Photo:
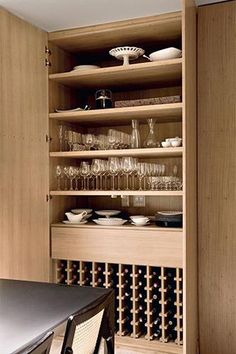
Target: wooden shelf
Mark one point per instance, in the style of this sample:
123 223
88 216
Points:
160 28
171 112
134 74
153 152
118 193
126 226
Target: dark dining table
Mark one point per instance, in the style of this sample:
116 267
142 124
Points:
28 310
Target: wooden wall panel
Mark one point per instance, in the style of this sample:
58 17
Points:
217 176
24 239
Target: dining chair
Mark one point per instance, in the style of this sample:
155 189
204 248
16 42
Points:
86 329
42 346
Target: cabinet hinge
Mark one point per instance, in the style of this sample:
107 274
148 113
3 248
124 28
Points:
47 51
48 197
48 138
47 62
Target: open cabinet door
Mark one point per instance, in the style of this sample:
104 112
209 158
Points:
24 240
190 183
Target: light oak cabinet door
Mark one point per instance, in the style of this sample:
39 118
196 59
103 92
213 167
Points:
217 176
24 239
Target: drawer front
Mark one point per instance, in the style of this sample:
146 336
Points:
154 248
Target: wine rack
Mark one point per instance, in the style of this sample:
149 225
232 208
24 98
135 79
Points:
149 300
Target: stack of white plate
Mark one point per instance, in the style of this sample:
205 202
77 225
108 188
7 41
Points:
86 67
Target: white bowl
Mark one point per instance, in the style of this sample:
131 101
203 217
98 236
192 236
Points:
165 144
144 224
79 211
140 222
76 217
175 143
164 54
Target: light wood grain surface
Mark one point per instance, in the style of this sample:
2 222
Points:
161 28
217 175
24 245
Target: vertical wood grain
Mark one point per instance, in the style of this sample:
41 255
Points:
217 176
24 239
190 323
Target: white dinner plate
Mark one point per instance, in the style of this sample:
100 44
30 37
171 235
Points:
148 223
75 223
170 213
86 67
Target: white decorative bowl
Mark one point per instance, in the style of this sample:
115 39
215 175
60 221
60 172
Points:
78 211
126 53
164 54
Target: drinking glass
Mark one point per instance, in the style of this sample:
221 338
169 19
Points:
114 168
141 170
61 136
72 175
89 141
70 139
127 167
84 172
95 171
77 177
112 138
66 174
59 175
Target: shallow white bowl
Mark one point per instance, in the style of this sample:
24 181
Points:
175 143
86 67
164 54
74 223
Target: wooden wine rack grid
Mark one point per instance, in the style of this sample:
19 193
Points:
149 300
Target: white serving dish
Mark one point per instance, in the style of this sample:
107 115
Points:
78 211
176 143
107 213
86 67
75 223
126 53
110 221
164 54
75 217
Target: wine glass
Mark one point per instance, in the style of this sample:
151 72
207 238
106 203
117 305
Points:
77 177
70 139
141 170
84 172
72 175
66 174
127 167
89 141
111 138
95 171
59 175
114 168
61 136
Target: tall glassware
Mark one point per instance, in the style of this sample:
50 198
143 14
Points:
151 140
135 135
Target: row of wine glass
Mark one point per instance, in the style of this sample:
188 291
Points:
125 173
72 140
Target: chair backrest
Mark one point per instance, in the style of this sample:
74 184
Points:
42 346
83 331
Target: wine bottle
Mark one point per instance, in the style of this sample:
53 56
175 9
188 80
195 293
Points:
157 333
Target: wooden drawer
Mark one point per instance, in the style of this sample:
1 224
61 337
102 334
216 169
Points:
124 245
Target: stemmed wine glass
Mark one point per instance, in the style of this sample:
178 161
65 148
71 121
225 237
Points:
59 175
127 167
114 168
84 172
95 171
72 175
66 174
141 170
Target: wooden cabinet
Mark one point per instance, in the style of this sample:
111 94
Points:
24 239
216 190
142 253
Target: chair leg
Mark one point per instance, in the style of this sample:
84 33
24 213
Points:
109 345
